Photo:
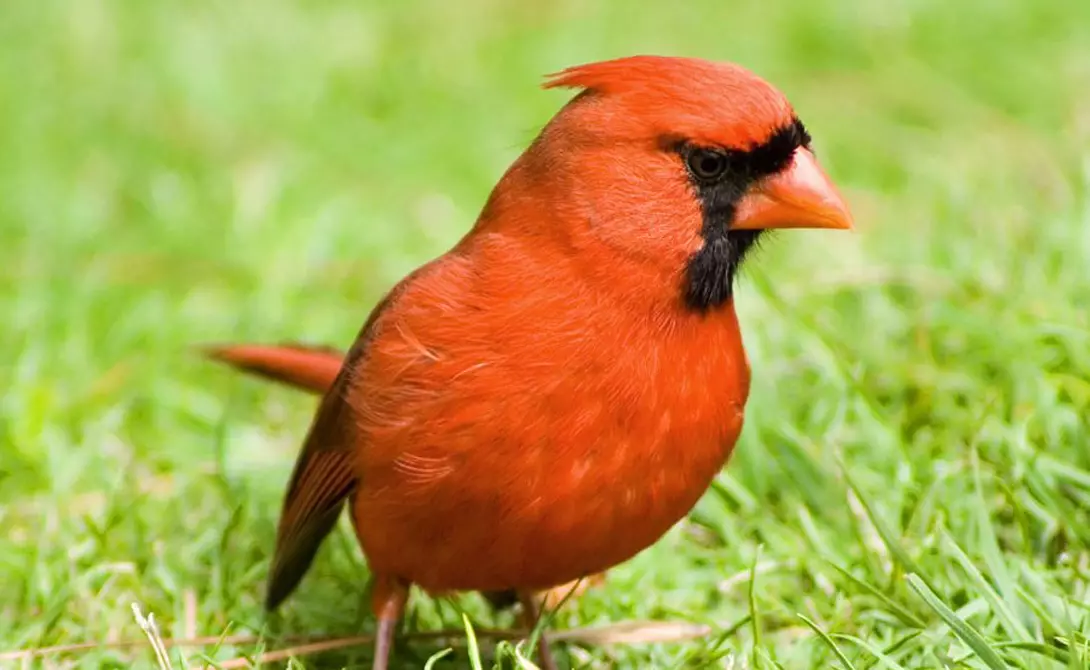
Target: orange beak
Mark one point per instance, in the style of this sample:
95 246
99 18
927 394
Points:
802 196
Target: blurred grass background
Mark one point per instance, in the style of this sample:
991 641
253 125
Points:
174 174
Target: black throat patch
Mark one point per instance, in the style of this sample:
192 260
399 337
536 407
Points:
711 271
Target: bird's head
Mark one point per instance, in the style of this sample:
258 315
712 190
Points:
679 164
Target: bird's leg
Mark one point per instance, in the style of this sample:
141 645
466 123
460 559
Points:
388 600
531 612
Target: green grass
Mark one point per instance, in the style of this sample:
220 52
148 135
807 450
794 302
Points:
913 486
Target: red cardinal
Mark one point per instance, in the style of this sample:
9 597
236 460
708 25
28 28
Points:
547 398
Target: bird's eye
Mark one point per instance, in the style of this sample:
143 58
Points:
707 165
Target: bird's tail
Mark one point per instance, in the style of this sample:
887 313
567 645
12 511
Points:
300 366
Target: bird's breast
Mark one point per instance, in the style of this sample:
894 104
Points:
535 458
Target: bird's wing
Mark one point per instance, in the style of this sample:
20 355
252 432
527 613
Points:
324 476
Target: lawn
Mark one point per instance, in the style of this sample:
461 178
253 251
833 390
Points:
912 489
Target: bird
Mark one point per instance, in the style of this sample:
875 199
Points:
553 393
314 368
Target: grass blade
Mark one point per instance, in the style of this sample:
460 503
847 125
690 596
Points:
473 649
961 628
710 654
828 641
754 618
436 657
897 609
1046 650
882 656
884 532
523 662
999 606
1006 600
